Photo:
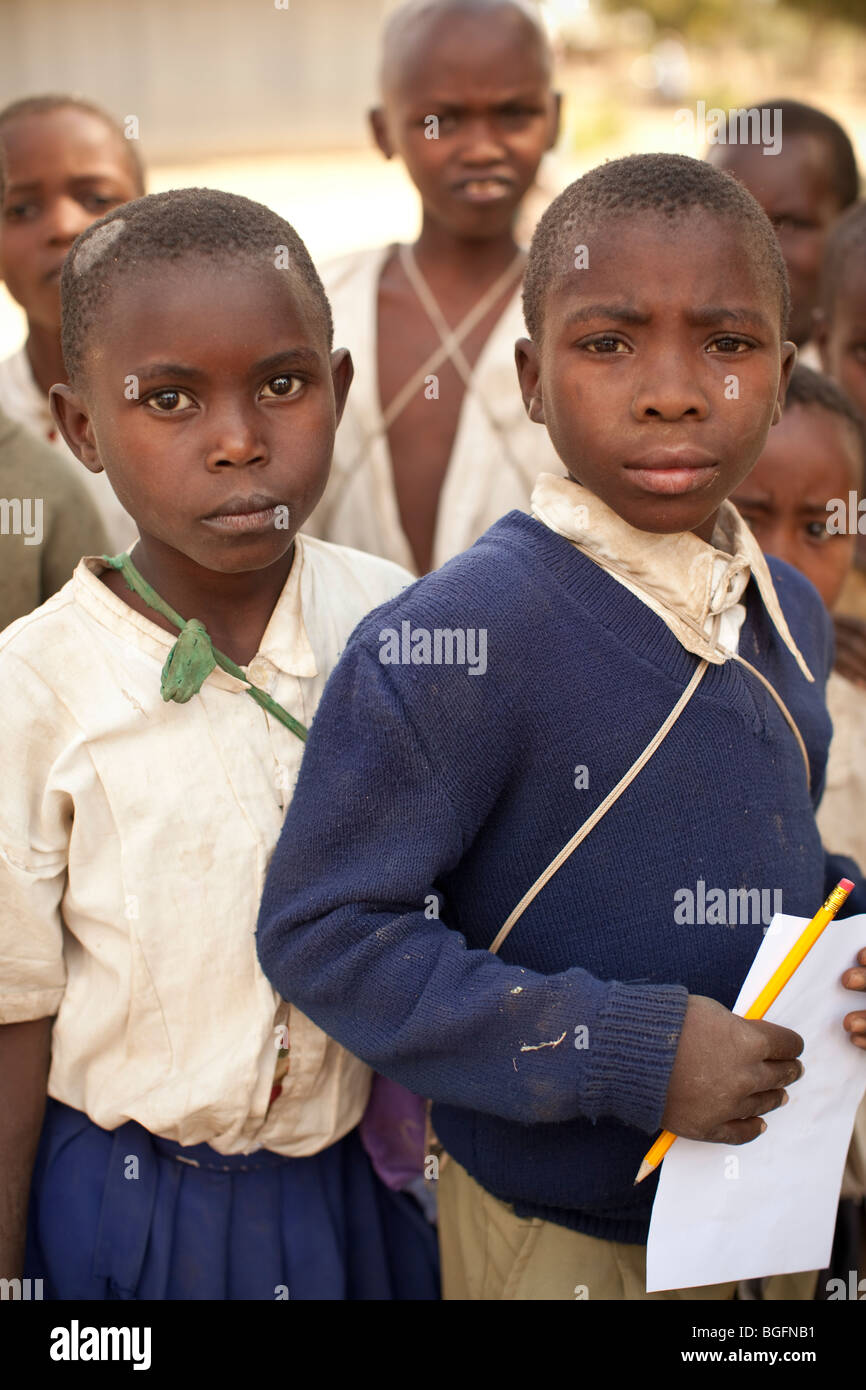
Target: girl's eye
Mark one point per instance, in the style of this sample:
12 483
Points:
607 343
169 401
817 531
728 344
282 386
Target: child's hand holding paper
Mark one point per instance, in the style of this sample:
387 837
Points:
728 1072
855 1023
769 1208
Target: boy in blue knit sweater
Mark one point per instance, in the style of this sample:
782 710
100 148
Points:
560 1010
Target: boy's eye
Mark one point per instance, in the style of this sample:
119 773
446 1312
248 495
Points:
730 344
514 114
606 343
169 401
98 202
282 386
21 212
817 531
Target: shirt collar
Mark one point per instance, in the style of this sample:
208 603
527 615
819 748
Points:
285 643
685 580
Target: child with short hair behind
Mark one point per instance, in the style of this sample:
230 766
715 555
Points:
841 336
650 682
812 462
64 163
434 444
804 187
139 810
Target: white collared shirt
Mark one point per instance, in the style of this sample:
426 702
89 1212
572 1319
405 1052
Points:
492 468
689 583
134 840
22 400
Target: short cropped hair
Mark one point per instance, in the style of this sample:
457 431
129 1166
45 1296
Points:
800 119
808 388
37 106
845 243
184 223
652 184
409 18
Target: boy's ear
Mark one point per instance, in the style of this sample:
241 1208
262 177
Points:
789 357
342 372
526 359
379 127
73 422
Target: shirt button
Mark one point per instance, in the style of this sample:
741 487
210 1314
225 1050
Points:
258 671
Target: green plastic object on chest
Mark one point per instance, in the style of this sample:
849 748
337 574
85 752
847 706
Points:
194 656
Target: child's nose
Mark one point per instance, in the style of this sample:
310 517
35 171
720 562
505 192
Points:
66 219
482 143
235 440
669 394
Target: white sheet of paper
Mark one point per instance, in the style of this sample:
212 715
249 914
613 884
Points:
769 1207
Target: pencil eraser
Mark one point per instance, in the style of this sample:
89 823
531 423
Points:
846 884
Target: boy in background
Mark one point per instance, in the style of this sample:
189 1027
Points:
546 1001
840 332
813 458
803 190
63 163
434 444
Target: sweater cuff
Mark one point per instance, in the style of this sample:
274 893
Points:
640 1028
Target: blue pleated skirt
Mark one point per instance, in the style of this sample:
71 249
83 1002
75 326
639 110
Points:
127 1215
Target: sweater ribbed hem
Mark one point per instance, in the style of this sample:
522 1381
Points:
625 1232
639 1028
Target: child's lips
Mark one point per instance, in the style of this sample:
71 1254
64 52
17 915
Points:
240 514
674 473
484 190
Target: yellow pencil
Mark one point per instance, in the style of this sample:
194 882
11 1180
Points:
771 991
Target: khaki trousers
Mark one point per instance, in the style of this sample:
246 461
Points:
488 1253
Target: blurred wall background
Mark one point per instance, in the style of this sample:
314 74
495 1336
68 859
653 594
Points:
269 97
204 77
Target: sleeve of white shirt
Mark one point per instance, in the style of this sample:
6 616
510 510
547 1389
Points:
35 824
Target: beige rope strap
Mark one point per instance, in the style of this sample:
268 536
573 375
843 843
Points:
600 810
449 350
450 342
592 821
685 618
782 706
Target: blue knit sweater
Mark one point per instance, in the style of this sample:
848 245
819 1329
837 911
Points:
431 798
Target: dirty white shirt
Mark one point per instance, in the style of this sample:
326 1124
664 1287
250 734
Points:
22 400
492 466
134 840
689 583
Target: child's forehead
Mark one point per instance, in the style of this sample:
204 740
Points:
197 293
799 174
810 446
850 295
648 258
77 140
452 50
